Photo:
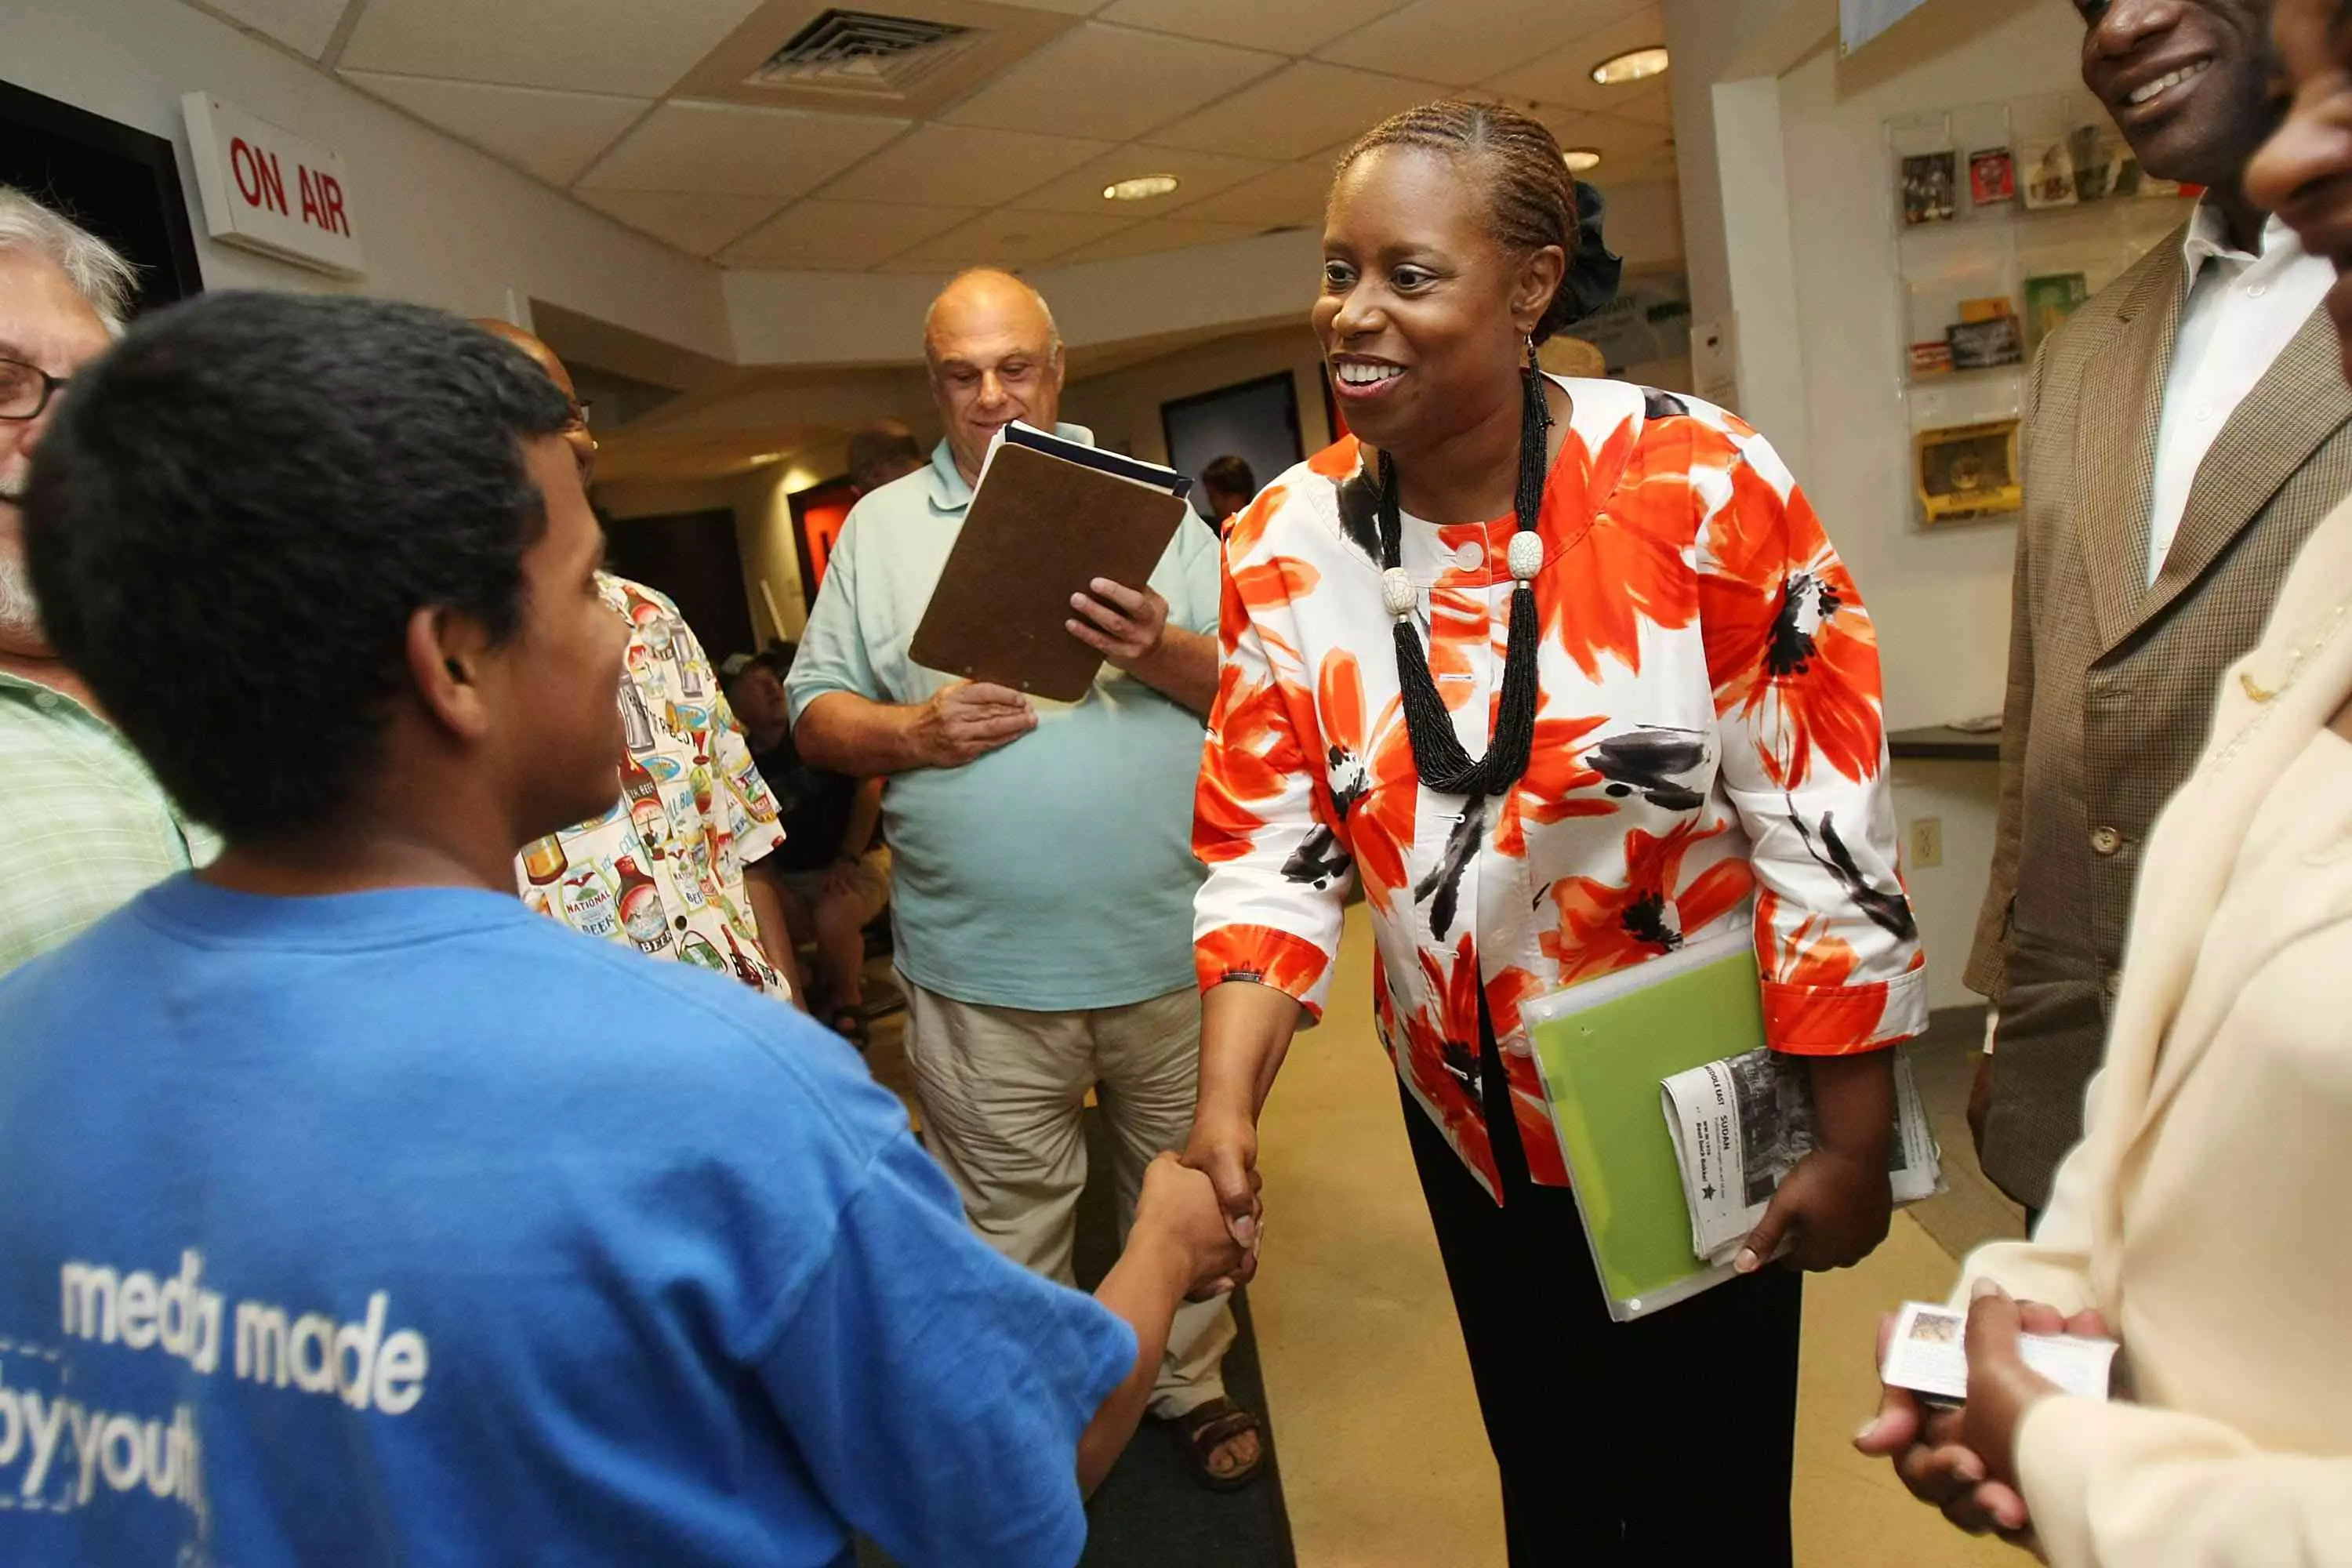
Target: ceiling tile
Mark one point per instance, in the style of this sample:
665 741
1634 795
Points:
1463 41
724 149
1291 195
305 26
946 166
1564 77
1628 150
1112 83
698 223
1286 26
584 46
1201 174
1013 239
840 235
1159 234
1064 7
1291 114
554 135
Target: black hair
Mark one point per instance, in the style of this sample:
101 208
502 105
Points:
233 516
1531 198
1230 474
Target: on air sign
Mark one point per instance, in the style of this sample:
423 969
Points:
269 190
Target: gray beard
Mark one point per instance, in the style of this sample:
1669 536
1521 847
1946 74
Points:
20 613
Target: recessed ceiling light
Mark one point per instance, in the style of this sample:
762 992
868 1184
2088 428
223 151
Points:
1580 159
767 458
1142 188
1634 64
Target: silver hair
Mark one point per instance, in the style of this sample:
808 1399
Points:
98 273
932 310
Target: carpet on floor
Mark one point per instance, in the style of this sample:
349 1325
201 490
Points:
1150 1513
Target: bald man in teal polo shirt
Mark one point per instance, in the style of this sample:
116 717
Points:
1044 871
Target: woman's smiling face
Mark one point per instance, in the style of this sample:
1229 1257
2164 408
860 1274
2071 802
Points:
1424 313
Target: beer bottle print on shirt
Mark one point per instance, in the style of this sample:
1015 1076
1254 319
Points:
586 901
642 915
636 724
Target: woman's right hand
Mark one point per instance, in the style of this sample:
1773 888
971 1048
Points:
1223 1147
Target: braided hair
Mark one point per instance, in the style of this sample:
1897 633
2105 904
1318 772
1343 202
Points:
1530 196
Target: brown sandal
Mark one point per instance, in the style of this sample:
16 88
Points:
1208 1427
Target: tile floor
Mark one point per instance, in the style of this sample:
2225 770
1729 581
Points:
1383 1458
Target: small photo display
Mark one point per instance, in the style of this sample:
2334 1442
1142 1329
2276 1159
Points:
1928 1355
2049 300
2048 168
1968 472
1987 345
1992 176
1931 359
1929 180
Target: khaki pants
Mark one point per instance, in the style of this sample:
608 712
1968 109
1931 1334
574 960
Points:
1003 1091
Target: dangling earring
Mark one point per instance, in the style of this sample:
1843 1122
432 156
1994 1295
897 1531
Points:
1533 363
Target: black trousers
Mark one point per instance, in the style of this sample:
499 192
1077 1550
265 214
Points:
1666 1442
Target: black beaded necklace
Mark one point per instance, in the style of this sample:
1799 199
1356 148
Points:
1437 752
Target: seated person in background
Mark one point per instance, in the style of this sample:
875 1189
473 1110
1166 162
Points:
881 453
87 826
2202 1217
834 879
677 864
1229 486
361 1216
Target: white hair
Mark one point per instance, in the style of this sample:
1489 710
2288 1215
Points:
97 271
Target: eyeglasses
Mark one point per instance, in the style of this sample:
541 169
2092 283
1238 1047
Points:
25 389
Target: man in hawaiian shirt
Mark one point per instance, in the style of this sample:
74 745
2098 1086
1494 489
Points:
675 869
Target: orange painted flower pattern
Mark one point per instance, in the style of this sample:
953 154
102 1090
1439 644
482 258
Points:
1708 736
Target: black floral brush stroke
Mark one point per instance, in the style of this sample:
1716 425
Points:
1360 514
1656 404
1648 761
1442 888
1318 861
1789 649
1891 913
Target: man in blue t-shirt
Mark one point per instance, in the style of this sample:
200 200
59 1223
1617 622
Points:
355 1215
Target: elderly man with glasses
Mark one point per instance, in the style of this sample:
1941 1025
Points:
89 825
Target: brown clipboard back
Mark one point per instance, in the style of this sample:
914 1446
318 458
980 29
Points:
1040 528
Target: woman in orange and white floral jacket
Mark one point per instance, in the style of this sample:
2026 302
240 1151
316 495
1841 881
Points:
1676 690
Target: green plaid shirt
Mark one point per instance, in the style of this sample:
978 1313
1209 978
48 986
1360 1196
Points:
87 826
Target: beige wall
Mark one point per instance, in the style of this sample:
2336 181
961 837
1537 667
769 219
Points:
1123 408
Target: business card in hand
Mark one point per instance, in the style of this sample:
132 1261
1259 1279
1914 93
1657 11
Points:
1928 1355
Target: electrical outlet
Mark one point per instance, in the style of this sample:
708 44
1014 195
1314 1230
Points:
1927 843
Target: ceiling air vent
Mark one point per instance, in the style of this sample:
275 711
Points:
865 54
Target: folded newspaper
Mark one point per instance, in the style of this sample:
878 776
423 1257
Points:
1741 1124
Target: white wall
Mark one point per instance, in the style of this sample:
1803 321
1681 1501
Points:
1793 226
441 222
1123 408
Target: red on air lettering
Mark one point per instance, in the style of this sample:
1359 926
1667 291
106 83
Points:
259 179
331 193
310 213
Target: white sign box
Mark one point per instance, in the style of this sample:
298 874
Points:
269 190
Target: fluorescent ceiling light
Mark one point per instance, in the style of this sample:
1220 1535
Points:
1634 64
1581 159
1142 188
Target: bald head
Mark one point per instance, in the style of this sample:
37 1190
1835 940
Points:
576 435
994 357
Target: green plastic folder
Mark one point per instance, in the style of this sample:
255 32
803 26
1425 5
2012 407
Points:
1604 1050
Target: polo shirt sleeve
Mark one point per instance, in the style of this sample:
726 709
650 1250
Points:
936 1391
832 654
1197 558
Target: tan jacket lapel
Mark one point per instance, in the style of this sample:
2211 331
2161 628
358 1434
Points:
2299 403
2122 398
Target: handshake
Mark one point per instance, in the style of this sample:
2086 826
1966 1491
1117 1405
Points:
1178 1221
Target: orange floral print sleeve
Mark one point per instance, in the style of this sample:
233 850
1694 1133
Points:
1793 658
1264 808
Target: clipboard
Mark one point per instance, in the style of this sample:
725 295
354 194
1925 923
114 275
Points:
1041 527
1602 1050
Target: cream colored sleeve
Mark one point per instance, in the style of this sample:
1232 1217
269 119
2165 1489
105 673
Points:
2055 1265
2123 1486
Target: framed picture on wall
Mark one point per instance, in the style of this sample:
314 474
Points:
1256 421
818 514
123 184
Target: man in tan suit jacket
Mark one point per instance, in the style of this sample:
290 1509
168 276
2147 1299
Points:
2210 401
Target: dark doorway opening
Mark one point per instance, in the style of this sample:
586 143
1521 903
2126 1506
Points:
692 557
121 184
